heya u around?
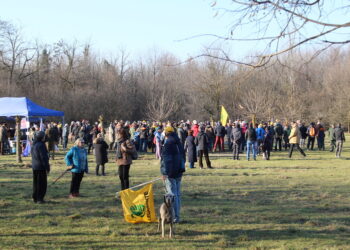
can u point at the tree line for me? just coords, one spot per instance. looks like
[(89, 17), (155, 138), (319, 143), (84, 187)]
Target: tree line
[(72, 77)]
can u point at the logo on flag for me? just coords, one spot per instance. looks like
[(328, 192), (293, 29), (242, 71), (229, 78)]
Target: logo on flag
[(138, 206)]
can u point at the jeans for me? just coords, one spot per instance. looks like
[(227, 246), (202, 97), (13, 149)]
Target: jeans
[(310, 143), (251, 144), (191, 164), (339, 147), (64, 142), (143, 145), (236, 147), (173, 187), (204, 153)]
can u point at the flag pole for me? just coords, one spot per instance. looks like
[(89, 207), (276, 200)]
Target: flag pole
[(142, 184)]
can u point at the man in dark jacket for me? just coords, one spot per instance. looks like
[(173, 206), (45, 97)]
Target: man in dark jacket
[(41, 167), (201, 142), (339, 140), (303, 134), (331, 137), (172, 167), (250, 137), (236, 138), (220, 135), (278, 136), (228, 135)]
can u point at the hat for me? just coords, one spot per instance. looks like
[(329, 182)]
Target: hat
[(169, 129)]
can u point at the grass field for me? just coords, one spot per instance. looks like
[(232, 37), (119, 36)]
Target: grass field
[(277, 204)]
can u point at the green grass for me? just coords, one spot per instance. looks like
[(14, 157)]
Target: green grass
[(276, 204)]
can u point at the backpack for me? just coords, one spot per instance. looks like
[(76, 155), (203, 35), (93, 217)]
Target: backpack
[(312, 131)]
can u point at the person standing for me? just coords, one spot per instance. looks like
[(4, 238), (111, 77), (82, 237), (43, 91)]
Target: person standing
[(294, 139), (250, 137), (101, 154), (190, 148), (236, 138), (311, 133), (320, 137), (124, 160), (228, 135), (267, 144), (77, 163), (278, 136), (331, 137), (260, 135), (219, 137), (41, 167), (339, 140), (303, 134), (65, 134), (172, 167), (201, 142)]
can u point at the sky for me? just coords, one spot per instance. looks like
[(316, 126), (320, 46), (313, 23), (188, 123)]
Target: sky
[(136, 26)]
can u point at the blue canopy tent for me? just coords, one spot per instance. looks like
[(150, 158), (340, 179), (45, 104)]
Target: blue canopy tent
[(24, 107)]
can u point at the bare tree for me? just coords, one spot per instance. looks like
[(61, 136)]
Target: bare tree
[(281, 25)]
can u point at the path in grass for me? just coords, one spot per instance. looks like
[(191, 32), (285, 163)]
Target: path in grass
[(281, 203)]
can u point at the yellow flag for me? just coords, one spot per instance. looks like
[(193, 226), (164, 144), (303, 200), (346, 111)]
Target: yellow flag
[(223, 116), (138, 206)]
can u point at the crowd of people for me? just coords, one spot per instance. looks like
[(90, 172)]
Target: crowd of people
[(173, 143)]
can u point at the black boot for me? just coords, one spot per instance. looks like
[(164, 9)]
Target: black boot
[(97, 169), (103, 170)]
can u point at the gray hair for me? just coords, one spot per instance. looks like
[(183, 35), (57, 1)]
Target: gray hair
[(76, 143)]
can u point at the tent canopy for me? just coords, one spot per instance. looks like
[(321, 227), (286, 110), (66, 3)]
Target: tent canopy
[(22, 106)]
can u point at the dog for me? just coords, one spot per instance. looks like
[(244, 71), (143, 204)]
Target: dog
[(167, 214)]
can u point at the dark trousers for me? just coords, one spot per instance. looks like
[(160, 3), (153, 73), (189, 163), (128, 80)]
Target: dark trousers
[(236, 147), (75, 184), (123, 171), (219, 140), (229, 142), (292, 146), (310, 143), (332, 145), (278, 141), (39, 185), (206, 156), (320, 143), (102, 169)]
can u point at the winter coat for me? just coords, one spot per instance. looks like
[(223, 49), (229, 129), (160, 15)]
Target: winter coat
[(339, 134), (267, 142), (236, 135), (195, 129), (202, 141), (144, 133), (228, 131), (260, 134), (3, 134), (65, 132), (172, 163), (294, 136), (250, 135), (279, 130), (73, 158), (40, 157), (182, 135), (124, 155), (303, 132), (51, 138), (331, 134), (190, 148), (101, 155), (220, 131)]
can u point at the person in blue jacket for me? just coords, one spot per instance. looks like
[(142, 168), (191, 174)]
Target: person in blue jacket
[(77, 162), (172, 167)]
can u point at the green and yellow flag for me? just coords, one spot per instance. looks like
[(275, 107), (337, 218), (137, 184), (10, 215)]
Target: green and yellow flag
[(138, 206), (223, 116)]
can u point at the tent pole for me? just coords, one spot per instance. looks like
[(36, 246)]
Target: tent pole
[(18, 139)]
